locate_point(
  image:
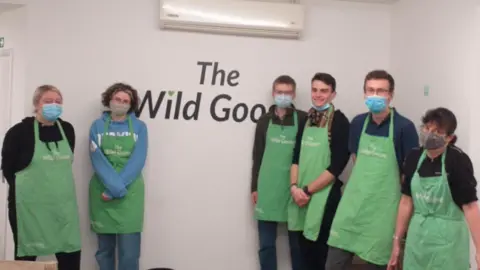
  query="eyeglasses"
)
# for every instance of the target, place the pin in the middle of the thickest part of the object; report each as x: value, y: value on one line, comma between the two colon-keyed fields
x: 378, y: 91
x: 121, y: 101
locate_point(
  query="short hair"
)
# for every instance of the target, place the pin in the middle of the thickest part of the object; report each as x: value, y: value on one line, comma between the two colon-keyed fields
x: 41, y: 90
x: 121, y: 87
x: 380, y: 74
x: 443, y: 118
x: 284, y: 79
x: 326, y: 79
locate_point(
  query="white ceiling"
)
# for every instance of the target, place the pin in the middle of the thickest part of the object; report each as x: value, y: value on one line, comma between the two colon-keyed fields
x: 4, y: 7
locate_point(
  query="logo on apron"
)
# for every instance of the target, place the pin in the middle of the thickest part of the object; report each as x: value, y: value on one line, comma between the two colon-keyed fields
x: 371, y: 150
x: 282, y: 139
x: 310, y: 141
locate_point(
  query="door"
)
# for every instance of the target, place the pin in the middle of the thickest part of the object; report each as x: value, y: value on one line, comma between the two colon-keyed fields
x: 6, y: 78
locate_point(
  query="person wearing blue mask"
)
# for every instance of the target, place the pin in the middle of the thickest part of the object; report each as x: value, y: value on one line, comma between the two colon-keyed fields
x: 118, y: 152
x: 37, y: 157
x: 379, y: 142
x: 320, y: 156
x: 272, y: 155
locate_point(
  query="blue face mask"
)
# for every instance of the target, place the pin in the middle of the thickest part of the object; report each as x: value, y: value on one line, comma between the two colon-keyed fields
x: 283, y: 101
x: 52, y: 111
x: 321, y: 108
x: 376, y: 104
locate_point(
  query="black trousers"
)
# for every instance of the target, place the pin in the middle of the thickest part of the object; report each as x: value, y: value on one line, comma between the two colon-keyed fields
x: 315, y: 253
x: 66, y: 261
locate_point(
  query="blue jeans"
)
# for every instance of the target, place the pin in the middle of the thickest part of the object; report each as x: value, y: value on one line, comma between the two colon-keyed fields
x: 267, y: 232
x: 128, y: 251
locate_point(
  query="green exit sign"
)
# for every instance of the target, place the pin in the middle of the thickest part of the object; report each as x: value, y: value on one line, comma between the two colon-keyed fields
x: 2, y: 42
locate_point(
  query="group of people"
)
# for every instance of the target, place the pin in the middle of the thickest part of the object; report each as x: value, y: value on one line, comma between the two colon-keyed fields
x: 409, y: 203
x: 397, y: 187
x: 37, y: 157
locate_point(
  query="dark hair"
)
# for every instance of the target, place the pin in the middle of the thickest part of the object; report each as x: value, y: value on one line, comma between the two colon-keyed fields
x: 326, y: 79
x: 380, y: 74
x: 284, y: 79
x: 108, y: 94
x: 444, y: 119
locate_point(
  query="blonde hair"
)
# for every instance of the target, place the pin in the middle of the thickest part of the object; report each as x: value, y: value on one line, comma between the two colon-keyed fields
x: 41, y: 90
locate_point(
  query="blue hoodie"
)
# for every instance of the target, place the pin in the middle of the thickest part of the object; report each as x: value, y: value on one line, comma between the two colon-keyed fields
x: 116, y: 184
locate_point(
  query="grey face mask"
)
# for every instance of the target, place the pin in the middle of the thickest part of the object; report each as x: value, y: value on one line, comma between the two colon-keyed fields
x: 119, y: 109
x: 432, y: 141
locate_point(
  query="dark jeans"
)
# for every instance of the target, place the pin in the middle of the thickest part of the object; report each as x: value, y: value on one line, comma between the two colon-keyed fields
x: 315, y: 253
x: 66, y: 261
x: 339, y: 259
x: 267, y: 232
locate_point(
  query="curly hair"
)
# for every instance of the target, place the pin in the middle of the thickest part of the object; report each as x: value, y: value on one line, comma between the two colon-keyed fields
x: 117, y: 87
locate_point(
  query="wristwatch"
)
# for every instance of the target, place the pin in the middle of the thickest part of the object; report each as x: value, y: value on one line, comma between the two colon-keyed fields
x: 305, y: 189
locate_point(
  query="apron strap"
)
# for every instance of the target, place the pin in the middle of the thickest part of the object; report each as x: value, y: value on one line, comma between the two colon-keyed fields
x: 390, y: 128
x: 424, y: 155
x: 64, y: 137
x: 130, y: 126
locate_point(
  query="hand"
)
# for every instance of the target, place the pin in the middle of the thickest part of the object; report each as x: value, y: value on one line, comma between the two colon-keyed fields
x: 394, y: 263
x: 105, y: 197
x: 477, y: 259
x: 300, y: 198
x: 303, y: 198
x: 254, y: 197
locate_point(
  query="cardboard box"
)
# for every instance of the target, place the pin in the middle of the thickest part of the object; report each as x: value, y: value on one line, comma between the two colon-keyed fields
x: 22, y: 265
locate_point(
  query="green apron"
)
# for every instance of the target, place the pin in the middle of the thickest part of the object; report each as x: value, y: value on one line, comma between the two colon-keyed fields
x: 118, y: 216
x: 274, y: 175
x: 438, y: 236
x: 314, y: 160
x: 364, y: 223
x: 47, y: 212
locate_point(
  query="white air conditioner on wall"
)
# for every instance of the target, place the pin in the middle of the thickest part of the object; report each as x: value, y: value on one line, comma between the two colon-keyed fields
x: 234, y: 17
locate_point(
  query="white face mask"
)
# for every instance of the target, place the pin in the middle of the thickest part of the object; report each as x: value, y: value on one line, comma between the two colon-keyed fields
x: 119, y: 109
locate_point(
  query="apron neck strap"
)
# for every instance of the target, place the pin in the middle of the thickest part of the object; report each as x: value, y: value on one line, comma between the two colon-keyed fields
x: 109, y: 120
x: 36, y: 129
x: 424, y: 155
x: 390, y: 128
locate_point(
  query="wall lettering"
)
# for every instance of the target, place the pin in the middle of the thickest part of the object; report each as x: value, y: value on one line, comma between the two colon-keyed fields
x: 183, y: 105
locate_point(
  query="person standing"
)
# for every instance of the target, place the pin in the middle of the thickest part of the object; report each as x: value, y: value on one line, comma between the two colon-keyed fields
x: 118, y: 151
x: 320, y: 156
x: 272, y: 156
x: 438, y: 195
x: 379, y: 141
x: 37, y: 158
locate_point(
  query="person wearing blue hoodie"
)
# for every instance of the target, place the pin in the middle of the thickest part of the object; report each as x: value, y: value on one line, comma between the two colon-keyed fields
x: 118, y: 151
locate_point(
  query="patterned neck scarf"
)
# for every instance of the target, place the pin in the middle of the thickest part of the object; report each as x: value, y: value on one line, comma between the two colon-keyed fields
x: 320, y: 119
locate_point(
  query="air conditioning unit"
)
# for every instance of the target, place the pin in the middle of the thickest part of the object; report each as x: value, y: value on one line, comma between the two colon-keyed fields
x: 234, y: 17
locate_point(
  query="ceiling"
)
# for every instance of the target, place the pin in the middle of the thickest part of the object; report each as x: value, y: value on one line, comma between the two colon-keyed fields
x: 4, y: 7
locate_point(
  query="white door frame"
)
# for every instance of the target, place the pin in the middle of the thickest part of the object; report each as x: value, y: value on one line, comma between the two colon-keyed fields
x: 8, y: 240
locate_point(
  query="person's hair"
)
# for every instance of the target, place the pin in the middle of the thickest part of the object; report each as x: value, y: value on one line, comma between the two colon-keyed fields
x: 284, y: 79
x: 326, y: 79
x: 380, y: 75
x: 41, y: 90
x: 444, y: 119
x: 121, y: 87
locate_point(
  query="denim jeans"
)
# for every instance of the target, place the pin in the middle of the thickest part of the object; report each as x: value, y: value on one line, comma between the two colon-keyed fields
x: 128, y: 251
x: 267, y: 232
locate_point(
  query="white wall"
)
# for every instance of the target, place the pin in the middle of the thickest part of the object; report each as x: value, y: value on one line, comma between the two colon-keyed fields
x: 432, y: 44
x: 198, y: 212
x: 435, y: 43
x: 13, y: 26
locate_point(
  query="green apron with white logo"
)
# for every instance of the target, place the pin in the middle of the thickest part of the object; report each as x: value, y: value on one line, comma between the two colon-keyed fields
x: 123, y: 215
x: 364, y: 223
x: 314, y: 160
x: 274, y: 176
x: 438, y: 236
x: 46, y: 202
